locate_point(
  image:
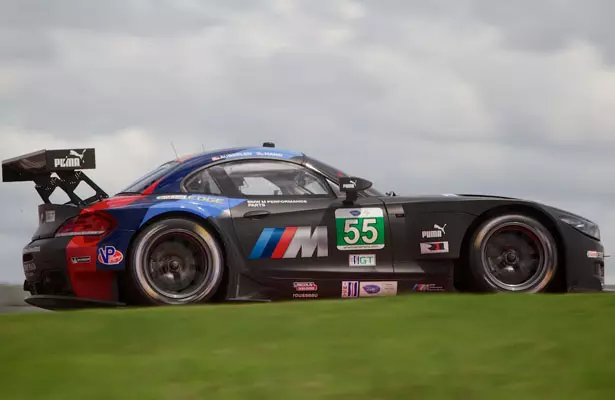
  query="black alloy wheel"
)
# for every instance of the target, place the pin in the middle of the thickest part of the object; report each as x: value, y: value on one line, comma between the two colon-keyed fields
x: 513, y: 253
x: 176, y: 261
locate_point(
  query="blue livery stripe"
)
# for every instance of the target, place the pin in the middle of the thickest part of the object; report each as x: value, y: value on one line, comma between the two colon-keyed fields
x: 261, y: 243
x: 273, y: 242
x: 201, y: 208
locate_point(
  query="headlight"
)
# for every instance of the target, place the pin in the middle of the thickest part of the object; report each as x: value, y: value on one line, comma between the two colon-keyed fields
x: 587, y: 227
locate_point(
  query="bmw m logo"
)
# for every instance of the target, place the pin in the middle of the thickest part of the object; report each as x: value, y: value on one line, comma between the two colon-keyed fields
x: 287, y: 242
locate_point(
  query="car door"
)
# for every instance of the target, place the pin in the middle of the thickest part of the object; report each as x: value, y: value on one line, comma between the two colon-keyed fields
x: 294, y: 226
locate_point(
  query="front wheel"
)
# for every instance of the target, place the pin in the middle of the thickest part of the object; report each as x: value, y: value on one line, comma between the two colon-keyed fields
x: 512, y: 253
x: 175, y: 261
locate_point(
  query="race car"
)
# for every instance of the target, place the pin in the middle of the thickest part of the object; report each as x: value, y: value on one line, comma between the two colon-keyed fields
x: 264, y: 224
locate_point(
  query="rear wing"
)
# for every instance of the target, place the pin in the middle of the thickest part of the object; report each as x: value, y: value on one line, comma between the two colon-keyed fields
x: 39, y: 167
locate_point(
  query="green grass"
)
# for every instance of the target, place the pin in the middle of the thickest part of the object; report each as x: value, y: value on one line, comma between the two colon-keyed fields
x: 418, y: 346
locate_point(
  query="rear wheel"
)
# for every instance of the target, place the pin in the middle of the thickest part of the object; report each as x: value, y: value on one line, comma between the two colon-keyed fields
x: 512, y: 253
x: 175, y: 261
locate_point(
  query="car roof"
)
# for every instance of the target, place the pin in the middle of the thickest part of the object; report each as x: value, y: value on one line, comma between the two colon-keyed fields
x: 239, y: 152
x: 170, y: 182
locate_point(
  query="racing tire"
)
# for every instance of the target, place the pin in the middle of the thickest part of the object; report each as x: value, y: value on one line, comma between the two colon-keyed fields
x: 512, y: 253
x: 174, y: 261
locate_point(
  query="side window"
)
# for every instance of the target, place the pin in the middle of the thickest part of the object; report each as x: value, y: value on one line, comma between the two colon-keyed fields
x: 275, y: 178
x: 202, y: 182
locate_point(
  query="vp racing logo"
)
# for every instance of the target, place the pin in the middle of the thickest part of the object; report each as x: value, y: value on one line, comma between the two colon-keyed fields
x: 109, y: 255
x: 74, y: 159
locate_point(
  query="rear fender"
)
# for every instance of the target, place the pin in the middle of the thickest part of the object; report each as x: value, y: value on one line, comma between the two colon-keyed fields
x: 151, y: 209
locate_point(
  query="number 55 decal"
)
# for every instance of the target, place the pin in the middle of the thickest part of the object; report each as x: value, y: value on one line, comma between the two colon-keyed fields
x: 359, y: 228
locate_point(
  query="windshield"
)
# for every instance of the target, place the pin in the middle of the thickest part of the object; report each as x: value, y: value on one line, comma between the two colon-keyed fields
x: 146, y: 180
x: 334, y: 173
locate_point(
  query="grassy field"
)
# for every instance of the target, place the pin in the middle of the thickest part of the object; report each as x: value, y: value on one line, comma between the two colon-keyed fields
x: 421, y: 346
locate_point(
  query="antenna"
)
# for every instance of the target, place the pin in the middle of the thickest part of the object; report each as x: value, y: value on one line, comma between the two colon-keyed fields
x: 175, y: 151
x: 203, y: 146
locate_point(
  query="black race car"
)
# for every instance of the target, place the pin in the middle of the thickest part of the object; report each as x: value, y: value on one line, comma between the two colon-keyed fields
x: 261, y: 224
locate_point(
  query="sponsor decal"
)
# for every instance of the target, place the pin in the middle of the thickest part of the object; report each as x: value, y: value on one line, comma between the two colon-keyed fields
x: 72, y: 160
x: 232, y: 155
x: 362, y: 260
x: 427, y: 287
x: 351, y: 184
x: 305, y: 286
x: 437, y: 232
x: 109, y: 255
x: 268, y: 154
x: 206, y: 199
x: 305, y: 295
x: 80, y: 260
x: 50, y: 216
x: 172, y: 197
x: 360, y: 228
x: 367, y: 289
x: 350, y: 289
x: 265, y: 203
x: 434, y: 247
x: 247, y: 154
x: 595, y: 254
x: 287, y: 242
x: 47, y: 216
x: 371, y: 289
x: 194, y: 197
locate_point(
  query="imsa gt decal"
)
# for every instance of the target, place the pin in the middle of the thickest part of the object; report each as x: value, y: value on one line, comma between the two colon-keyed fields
x: 287, y: 242
x: 359, y: 228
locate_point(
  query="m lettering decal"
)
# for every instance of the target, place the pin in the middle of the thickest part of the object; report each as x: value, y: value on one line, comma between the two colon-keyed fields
x: 291, y: 242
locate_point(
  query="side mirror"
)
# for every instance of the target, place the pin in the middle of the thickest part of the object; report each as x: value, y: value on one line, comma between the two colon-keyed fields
x: 352, y: 186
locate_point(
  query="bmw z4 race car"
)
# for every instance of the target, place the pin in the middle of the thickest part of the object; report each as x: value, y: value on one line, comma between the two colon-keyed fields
x: 263, y: 224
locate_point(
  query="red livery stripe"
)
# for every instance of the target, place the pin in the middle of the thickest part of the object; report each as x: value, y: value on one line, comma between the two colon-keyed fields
x: 149, y: 190
x: 287, y: 236
x: 113, y: 202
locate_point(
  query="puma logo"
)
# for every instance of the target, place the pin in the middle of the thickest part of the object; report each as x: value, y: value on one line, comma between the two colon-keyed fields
x: 438, y: 232
x: 72, y: 160
x: 440, y: 228
x: 76, y: 154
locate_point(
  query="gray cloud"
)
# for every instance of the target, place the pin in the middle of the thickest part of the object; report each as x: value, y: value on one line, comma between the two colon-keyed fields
x: 116, y: 17
x: 463, y: 96
x: 525, y: 25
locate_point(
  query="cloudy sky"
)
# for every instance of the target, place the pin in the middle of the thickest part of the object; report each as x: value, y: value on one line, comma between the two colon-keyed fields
x: 466, y: 96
